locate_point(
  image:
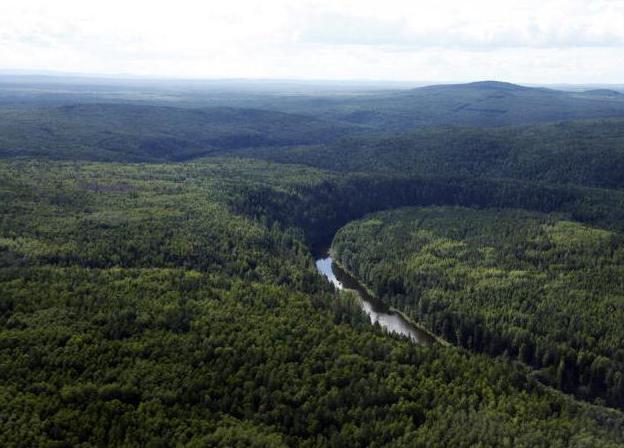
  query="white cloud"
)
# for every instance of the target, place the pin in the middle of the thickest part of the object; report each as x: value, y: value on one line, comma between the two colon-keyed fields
x: 473, y: 25
x: 529, y: 41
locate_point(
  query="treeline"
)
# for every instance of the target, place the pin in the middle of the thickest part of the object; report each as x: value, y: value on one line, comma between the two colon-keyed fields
x: 529, y: 286
x: 138, y: 310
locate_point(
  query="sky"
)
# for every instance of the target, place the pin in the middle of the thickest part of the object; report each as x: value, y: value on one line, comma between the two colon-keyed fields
x: 533, y: 41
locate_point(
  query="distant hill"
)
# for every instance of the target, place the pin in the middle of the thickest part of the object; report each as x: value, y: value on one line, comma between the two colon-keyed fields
x: 604, y: 92
x: 481, y: 104
x: 125, y: 132
x: 492, y: 85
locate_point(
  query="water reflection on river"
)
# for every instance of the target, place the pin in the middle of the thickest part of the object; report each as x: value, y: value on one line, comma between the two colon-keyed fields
x: 389, y: 320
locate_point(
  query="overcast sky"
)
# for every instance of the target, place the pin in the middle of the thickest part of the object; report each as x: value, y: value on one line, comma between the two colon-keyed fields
x: 534, y: 41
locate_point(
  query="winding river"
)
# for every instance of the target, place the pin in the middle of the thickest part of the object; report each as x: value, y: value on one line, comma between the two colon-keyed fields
x: 378, y: 312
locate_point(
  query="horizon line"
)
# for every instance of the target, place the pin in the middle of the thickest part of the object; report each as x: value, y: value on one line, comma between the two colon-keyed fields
x: 174, y: 78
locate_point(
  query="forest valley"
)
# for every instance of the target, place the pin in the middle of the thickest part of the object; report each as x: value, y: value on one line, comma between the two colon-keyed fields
x: 158, y: 286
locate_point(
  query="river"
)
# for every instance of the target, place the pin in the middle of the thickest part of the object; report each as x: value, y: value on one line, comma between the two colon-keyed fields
x: 388, y: 319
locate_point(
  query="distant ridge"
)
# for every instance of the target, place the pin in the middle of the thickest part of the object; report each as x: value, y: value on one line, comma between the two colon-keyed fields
x: 604, y: 92
x: 486, y: 85
x: 479, y: 104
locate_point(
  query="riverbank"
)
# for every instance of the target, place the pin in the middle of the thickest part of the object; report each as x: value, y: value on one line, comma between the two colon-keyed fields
x: 392, y: 309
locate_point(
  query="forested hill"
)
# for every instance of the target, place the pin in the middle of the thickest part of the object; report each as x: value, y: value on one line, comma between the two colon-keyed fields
x: 131, y: 133
x: 497, y: 103
x: 589, y: 153
x: 479, y: 104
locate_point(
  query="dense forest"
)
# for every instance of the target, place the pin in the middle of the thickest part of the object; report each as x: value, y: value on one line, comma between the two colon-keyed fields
x: 589, y: 153
x: 120, y: 329
x: 158, y: 286
x: 535, y: 287
x: 149, y: 133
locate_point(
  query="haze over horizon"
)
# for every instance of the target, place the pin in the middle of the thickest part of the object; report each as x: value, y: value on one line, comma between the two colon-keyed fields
x: 534, y: 42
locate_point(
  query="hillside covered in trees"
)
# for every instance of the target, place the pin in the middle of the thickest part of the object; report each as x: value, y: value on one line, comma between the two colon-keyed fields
x: 589, y: 153
x: 146, y: 133
x: 532, y: 286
